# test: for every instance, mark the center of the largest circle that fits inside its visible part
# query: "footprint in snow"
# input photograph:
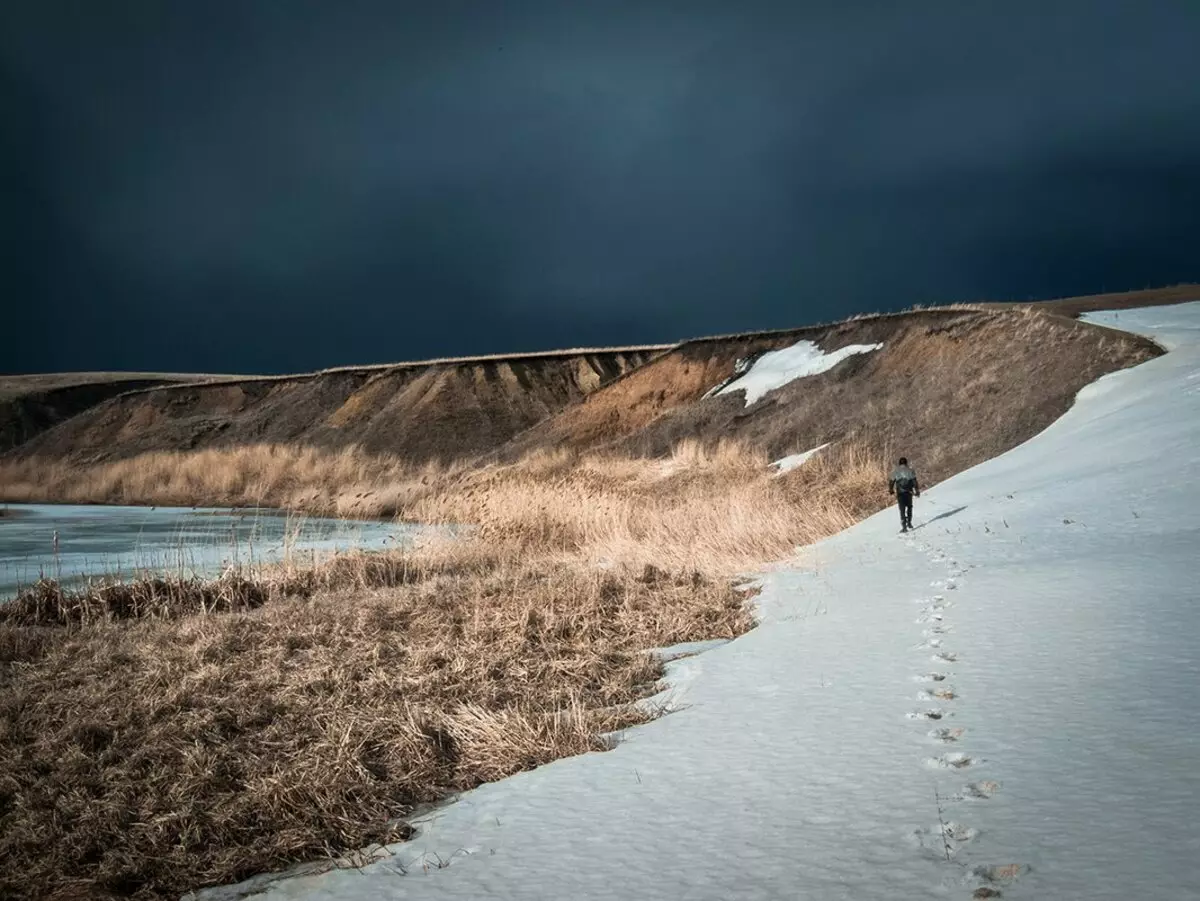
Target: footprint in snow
(945, 838)
(945, 657)
(948, 735)
(981, 791)
(958, 832)
(934, 714)
(930, 677)
(935, 616)
(937, 694)
(953, 761)
(934, 631)
(1000, 873)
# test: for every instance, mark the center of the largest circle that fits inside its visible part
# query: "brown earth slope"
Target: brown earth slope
(31, 404)
(419, 412)
(453, 410)
(950, 387)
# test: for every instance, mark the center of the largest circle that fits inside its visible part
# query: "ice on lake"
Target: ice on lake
(125, 542)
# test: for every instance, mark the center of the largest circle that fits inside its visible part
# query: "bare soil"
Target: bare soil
(31, 404)
(949, 388)
(420, 413)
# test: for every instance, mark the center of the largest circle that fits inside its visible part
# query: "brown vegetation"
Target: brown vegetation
(174, 733)
(342, 483)
(147, 758)
(675, 510)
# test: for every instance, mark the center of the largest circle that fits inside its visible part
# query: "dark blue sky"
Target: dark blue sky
(242, 186)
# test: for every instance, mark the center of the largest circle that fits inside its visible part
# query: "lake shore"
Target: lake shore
(79, 544)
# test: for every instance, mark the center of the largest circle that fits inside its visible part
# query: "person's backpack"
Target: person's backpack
(906, 480)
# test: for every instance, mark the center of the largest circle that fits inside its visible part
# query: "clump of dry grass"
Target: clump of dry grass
(348, 482)
(714, 508)
(148, 757)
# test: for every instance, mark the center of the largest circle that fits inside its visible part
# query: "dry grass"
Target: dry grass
(152, 756)
(173, 733)
(325, 483)
(715, 509)
(707, 506)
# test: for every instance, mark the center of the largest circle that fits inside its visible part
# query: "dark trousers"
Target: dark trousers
(904, 499)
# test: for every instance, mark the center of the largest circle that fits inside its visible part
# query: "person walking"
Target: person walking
(903, 484)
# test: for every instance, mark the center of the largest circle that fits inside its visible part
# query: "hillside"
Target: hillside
(419, 411)
(952, 386)
(31, 404)
(957, 386)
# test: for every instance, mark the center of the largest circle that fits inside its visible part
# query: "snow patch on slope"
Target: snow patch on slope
(776, 368)
(790, 462)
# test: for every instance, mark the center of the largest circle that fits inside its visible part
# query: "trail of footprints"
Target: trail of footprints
(948, 837)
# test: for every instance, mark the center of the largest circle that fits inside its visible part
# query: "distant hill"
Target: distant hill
(440, 409)
(962, 382)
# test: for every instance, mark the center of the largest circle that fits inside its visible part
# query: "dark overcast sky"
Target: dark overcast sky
(242, 186)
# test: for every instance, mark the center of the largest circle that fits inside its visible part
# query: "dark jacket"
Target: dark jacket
(903, 480)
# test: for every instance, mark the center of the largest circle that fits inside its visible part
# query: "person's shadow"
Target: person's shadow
(945, 515)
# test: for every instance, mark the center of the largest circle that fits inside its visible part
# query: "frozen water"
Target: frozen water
(114, 541)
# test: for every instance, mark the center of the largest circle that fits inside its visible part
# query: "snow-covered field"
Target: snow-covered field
(1046, 609)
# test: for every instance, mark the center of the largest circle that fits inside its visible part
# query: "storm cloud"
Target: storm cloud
(263, 187)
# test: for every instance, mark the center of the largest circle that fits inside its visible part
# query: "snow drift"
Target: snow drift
(777, 368)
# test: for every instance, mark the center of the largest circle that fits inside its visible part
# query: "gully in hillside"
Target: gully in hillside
(903, 484)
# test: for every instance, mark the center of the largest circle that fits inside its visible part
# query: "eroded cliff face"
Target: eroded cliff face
(447, 410)
(25, 414)
(964, 383)
(951, 387)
